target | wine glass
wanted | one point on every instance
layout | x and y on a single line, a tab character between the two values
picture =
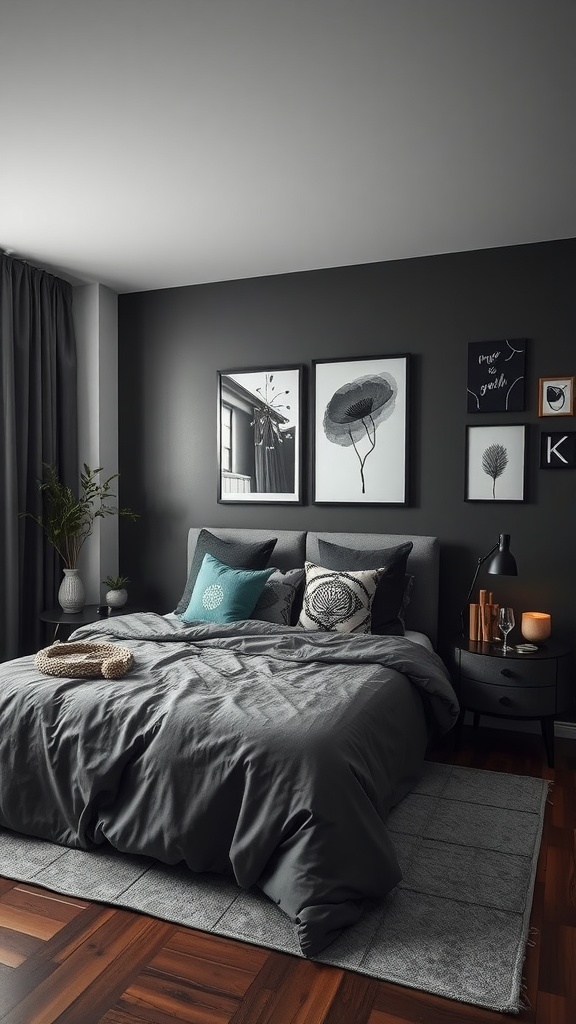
506	622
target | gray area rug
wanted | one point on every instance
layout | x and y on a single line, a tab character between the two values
456	925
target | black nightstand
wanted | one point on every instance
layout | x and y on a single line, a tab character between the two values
513	685
71	620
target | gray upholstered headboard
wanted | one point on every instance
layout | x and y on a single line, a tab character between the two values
295	546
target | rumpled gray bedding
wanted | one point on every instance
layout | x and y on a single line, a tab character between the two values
265	751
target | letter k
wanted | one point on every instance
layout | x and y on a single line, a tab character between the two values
552	449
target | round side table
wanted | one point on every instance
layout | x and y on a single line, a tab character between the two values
69	621
513	685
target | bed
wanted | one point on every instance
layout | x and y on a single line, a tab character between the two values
257	748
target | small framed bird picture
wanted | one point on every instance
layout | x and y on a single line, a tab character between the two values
556	396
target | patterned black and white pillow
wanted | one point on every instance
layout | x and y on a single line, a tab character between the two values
338	602
277	599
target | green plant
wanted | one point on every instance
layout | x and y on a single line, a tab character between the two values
67	519
116	582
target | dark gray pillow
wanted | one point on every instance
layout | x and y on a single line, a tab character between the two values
277	599
387	603
408	584
236	553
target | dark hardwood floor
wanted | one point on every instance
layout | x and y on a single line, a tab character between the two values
76	962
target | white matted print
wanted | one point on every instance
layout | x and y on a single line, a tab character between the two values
556	396
361	430
260	436
495	463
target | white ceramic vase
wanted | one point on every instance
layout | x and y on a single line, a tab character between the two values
116	598
71	594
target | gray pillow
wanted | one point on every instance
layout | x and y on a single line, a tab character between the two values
387	603
235	553
408	584
277	599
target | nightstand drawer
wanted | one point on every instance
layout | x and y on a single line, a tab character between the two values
529	701
508	671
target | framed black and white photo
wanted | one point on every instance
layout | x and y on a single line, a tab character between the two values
361	408
496	463
558	450
260	436
556	396
496	371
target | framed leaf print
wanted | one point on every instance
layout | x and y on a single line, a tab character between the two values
361	408
260	436
496	463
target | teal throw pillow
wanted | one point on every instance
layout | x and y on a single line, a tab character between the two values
224	594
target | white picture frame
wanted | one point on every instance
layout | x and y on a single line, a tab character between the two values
360	430
259	438
496	463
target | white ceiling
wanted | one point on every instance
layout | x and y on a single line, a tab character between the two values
156	143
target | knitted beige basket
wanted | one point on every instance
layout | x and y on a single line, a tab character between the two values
84	659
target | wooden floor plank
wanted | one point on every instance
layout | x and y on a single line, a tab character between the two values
16	947
207	974
42	903
27	921
77	982
218	949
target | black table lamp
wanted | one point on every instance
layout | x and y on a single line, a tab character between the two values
502	563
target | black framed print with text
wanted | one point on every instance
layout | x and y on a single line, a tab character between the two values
496	372
360	430
260	436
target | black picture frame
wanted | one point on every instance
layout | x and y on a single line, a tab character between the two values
356	401
558	449
259	435
496	375
495	464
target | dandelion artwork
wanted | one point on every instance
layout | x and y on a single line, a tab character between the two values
495	463
360	430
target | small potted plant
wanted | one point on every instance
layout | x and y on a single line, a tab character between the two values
117	594
67	520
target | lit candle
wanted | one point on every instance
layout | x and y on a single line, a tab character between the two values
536	626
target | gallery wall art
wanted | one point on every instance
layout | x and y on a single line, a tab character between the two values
496	375
496	463
556	396
360	430
558	450
260	435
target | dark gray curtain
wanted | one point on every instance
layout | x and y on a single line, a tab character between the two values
38	424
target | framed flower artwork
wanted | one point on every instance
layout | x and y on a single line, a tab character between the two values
360	432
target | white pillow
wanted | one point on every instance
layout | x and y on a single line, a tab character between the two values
338	602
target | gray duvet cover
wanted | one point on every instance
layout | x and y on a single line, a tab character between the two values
262	751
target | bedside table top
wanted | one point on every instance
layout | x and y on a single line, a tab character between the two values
551	649
88	614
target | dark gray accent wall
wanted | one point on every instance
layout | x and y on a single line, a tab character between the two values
172	342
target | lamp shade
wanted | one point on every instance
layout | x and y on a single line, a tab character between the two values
503	562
